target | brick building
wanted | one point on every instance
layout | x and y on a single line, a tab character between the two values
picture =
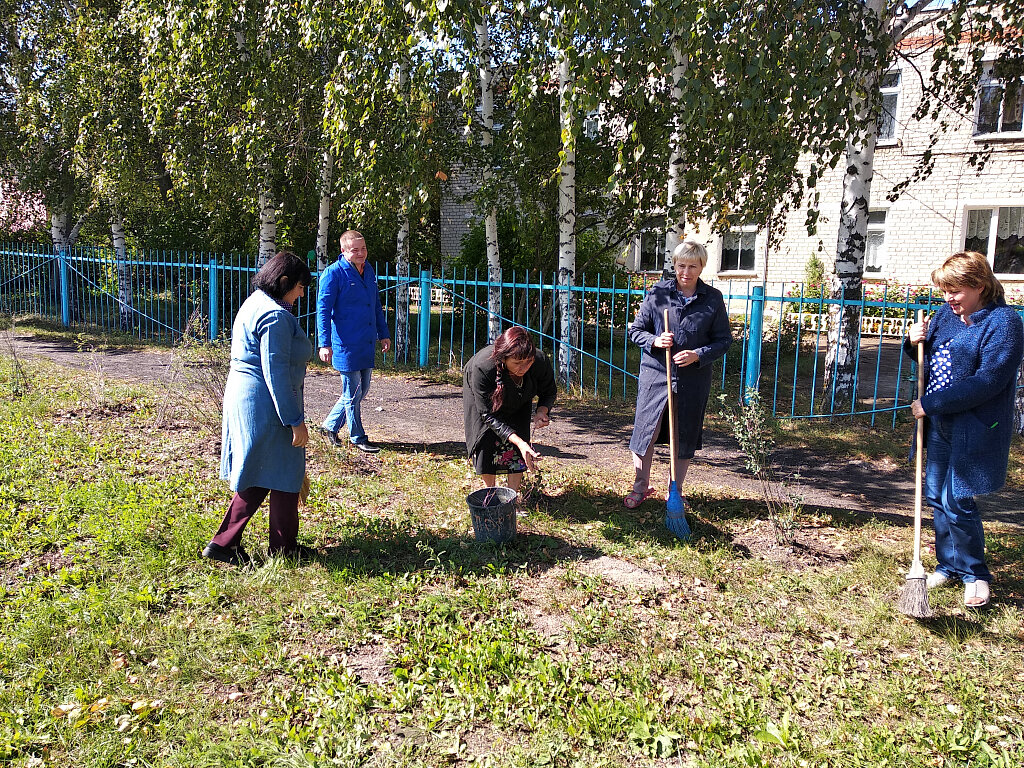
957	207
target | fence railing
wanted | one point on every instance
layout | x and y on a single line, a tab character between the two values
781	330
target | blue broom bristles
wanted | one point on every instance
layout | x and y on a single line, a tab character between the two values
675	519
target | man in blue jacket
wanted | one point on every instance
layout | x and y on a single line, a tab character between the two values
349	313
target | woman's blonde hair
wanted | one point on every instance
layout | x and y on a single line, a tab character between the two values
971	269
690	250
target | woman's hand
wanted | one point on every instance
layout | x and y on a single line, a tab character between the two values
300	436
530	456
917	333
665	340
541	418
917	409
686	357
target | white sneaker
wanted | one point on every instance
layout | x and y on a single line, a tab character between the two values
937	579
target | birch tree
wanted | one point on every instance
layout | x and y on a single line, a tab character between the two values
486	70
958	34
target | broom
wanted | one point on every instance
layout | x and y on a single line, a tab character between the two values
675	519
914	597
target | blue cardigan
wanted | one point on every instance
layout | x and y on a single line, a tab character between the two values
349	314
978	404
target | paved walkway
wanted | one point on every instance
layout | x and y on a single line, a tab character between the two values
404	412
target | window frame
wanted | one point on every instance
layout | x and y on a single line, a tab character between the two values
739	229
882	227
993	231
989	80
892	90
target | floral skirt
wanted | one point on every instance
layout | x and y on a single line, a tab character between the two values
497	456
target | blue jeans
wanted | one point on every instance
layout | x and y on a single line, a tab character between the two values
959	538
354	386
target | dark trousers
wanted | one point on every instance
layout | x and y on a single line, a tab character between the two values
284	518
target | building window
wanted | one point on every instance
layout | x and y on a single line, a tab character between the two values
651	251
1000	107
890	88
874	252
738	245
999	234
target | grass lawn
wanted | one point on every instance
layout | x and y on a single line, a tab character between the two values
594	640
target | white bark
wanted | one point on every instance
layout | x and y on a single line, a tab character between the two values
1018	413
566	228
402	290
675	227
402	253
124	271
268	224
491	218
848	271
326	176
65	235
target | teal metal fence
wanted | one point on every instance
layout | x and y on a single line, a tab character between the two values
781	328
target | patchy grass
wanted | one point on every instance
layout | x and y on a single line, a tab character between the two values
594	639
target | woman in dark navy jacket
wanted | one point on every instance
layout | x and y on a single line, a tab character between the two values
698	334
973	349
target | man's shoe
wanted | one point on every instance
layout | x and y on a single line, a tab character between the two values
230	555
332	438
367	447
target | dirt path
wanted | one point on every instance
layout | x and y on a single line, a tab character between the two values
407	412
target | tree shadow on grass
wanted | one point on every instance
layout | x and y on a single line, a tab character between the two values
398	551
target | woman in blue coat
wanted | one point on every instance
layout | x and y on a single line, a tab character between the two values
974	345
697	335
264	432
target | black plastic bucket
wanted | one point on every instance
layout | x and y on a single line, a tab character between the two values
493	511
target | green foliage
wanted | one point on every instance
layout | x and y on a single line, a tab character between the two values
756	430
408	644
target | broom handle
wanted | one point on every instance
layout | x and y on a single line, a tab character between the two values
671	410
919	453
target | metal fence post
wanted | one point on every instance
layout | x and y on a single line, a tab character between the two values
752	353
65	288
214	300
424	316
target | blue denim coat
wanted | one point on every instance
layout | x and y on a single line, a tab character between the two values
349	315
978	404
263	398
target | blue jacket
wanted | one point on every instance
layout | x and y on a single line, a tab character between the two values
703	326
978	404
349	313
263	398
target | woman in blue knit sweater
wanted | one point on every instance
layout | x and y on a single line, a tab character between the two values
973	349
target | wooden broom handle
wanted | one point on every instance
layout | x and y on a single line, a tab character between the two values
919	453
671	410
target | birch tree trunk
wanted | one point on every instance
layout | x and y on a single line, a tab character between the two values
675	226
64	238
569	332
126	315
402	290
848	270
1018	411
326	177
483	42
402	254
268	225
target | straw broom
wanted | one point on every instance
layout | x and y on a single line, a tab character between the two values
914	597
